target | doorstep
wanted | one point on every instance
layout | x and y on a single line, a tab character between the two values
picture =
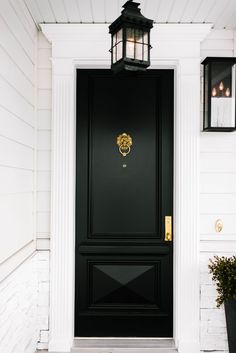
123	345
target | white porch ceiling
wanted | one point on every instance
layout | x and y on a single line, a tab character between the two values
221	13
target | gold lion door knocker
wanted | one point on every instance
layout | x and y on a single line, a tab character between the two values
124	142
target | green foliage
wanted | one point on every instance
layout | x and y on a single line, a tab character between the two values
223	271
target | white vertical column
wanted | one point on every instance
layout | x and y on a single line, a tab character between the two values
234	42
187	133
63	207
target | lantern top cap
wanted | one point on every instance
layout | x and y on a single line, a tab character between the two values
132	5
213	59
131	15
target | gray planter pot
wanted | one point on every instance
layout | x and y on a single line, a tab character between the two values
230	313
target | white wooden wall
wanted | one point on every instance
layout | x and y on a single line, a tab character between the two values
44	143
18	39
218	164
217	200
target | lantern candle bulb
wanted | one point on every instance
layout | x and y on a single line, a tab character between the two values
221	86
227	92
213	92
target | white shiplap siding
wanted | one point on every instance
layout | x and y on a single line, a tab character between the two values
217	200
217	158
24	285
44	143
18	41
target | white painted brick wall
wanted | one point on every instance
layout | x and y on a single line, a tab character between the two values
24	305
213	325
19	330
43	298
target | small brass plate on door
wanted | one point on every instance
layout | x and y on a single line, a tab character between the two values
124	142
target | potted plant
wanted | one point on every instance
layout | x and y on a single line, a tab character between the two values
223	271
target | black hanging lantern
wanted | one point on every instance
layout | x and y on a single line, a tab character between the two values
219	94
130	39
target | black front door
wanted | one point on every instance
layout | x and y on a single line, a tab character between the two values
124	271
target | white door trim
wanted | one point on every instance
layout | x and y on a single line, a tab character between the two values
176	46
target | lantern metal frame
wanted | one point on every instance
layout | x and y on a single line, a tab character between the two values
207	93
130	18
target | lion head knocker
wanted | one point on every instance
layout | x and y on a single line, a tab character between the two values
124	141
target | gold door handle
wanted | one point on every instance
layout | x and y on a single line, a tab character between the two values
168	228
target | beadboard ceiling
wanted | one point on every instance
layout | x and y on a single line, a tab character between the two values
222	13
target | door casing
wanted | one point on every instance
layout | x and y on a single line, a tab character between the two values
177	46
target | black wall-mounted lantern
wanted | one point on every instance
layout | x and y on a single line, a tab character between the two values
219	94
130	39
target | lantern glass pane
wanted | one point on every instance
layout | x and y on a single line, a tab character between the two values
139	51
145	37
138	44
145	52
114	48
130	43
119	42
206	83
222	94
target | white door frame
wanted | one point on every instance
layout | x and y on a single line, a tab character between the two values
86	46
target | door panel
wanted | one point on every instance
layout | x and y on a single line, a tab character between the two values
126	186
123	265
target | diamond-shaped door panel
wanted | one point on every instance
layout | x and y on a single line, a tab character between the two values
114	284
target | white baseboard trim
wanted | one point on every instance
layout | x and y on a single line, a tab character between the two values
60	346
188	346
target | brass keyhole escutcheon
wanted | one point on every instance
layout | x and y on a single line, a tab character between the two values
124	142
